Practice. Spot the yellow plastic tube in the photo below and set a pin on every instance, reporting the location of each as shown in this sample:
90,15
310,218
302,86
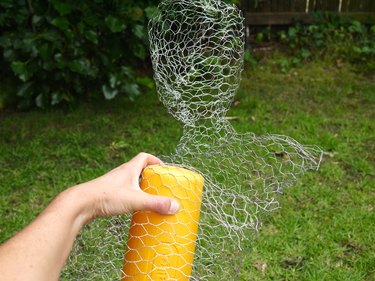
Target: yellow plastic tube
161,247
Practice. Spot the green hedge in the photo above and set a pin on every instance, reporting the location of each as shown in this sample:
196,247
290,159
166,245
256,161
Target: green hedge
62,51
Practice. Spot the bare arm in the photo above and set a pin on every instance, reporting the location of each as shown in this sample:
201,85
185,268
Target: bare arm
40,250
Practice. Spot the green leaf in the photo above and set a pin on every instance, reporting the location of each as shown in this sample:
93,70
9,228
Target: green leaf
260,37
305,53
114,24
19,68
45,51
283,36
292,32
108,92
50,36
62,7
249,58
113,82
146,82
9,54
151,11
133,90
69,36
57,97
139,51
25,90
61,23
357,49
59,60
80,66
39,101
36,19
296,61
139,31
127,71
366,50
92,36
357,27
104,59
81,27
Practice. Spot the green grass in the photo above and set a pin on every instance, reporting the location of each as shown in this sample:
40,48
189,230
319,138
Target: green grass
325,228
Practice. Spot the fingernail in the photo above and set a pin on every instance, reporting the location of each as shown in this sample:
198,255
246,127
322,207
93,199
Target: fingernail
174,208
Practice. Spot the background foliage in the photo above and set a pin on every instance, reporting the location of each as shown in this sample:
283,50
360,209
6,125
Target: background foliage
56,52
336,38
66,50
62,51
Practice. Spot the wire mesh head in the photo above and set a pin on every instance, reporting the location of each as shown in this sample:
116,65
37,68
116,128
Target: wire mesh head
196,50
197,56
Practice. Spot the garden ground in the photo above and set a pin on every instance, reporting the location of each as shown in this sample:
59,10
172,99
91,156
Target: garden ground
325,228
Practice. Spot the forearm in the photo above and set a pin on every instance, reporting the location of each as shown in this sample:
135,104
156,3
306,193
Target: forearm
40,250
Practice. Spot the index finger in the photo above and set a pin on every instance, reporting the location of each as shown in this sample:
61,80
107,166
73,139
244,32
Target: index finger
142,160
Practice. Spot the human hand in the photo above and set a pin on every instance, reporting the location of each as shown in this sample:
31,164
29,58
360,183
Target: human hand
118,192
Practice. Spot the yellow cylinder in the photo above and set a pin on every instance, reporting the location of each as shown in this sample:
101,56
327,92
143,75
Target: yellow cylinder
161,247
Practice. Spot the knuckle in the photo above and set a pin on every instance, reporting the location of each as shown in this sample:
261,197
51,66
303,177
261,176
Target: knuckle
162,204
142,154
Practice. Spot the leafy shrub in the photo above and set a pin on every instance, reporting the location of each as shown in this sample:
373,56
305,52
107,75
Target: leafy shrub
62,51
331,36
68,50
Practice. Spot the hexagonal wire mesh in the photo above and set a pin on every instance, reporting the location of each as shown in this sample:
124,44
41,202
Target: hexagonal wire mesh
197,54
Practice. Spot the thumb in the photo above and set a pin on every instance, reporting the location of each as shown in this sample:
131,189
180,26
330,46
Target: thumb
159,204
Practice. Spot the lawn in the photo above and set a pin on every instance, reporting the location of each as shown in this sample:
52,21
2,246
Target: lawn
325,228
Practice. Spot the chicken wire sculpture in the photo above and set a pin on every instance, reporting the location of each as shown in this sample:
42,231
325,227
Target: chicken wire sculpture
197,55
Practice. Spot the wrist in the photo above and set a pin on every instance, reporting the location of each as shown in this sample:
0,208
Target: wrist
78,201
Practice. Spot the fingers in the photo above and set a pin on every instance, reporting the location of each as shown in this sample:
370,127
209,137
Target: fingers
159,204
142,160
139,162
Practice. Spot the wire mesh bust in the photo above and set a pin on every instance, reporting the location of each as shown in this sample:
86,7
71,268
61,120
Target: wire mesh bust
196,50
197,55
